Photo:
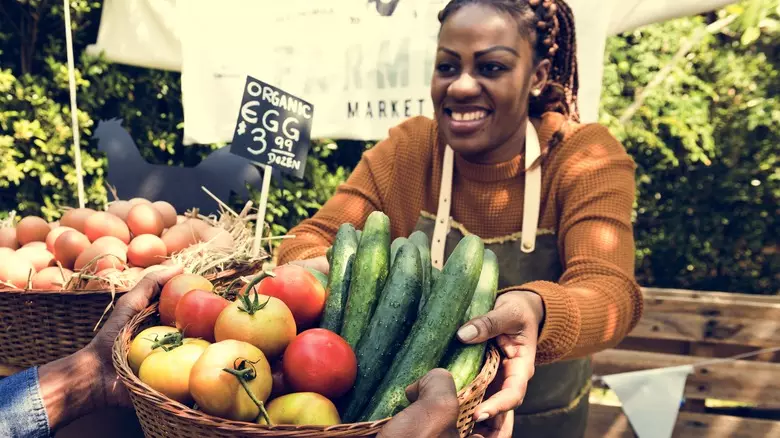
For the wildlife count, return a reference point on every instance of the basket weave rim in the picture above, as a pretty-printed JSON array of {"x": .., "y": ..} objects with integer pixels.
[{"x": 140, "y": 389}]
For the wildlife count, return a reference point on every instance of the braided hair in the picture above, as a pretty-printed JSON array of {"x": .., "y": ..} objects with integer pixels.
[{"x": 549, "y": 26}]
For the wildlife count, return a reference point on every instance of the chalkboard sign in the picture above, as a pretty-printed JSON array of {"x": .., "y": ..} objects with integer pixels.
[{"x": 273, "y": 128}]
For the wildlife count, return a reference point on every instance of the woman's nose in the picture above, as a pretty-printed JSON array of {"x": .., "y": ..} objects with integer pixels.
[{"x": 463, "y": 87}]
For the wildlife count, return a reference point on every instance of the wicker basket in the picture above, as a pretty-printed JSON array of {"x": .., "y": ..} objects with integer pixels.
[
  {"x": 38, "y": 326},
  {"x": 162, "y": 417}
]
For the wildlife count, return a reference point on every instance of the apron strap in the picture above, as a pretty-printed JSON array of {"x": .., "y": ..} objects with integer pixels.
[
  {"x": 531, "y": 199},
  {"x": 533, "y": 190},
  {"x": 442, "y": 226}
]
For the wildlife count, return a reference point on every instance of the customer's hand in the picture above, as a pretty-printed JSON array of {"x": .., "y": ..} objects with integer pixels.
[
  {"x": 433, "y": 413},
  {"x": 86, "y": 380}
]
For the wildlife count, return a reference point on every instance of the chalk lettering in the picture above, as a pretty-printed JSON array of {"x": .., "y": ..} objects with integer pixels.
[
  {"x": 247, "y": 113},
  {"x": 254, "y": 89},
  {"x": 273, "y": 126},
  {"x": 258, "y": 139},
  {"x": 291, "y": 133},
  {"x": 283, "y": 161}
]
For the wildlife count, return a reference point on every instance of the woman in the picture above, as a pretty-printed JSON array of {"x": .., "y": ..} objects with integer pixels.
[{"x": 507, "y": 160}]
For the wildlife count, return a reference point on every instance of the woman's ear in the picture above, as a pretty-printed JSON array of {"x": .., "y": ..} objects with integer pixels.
[{"x": 540, "y": 76}]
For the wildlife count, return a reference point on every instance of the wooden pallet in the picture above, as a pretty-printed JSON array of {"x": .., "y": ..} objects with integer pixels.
[{"x": 683, "y": 327}]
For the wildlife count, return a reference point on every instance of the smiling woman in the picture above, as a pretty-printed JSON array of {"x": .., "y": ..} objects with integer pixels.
[{"x": 506, "y": 158}]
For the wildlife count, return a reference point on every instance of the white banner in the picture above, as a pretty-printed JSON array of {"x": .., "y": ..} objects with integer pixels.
[
  {"x": 365, "y": 64},
  {"x": 651, "y": 398}
]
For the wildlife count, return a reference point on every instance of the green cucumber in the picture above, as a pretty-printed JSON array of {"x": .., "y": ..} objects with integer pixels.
[
  {"x": 435, "y": 274},
  {"x": 433, "y": 330},
  {"x": 329, "y": 255},
  {"x": 359, "y": 234},
  {"x": 395, "y": 313},
  {"x": 421, "y": 240},
  {"x": 345, "y": 246},
  {"x": 464, "y": 361},
  {"x": 322, "y": 278},
  {"x": 369, "y": 273},
  {"x": 395, "y": 246}
]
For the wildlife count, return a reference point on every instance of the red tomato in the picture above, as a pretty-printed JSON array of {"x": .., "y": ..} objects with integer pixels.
[
  {"x": 299, "y": 289},
  {"x": 320, "y": 361},
  {"x": 174, "y": 289},
  {"x": 197, "y": 312}
]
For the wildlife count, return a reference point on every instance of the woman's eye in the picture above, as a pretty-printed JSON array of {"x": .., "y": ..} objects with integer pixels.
[
  {"x": 445, "y": 68},
  {"x": 491, "y": 69}
]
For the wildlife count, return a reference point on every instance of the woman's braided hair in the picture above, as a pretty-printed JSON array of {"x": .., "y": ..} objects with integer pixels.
[{"x": 549, "y": 25}]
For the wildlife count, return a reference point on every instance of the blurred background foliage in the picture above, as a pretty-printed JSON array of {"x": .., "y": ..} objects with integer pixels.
[{"x": 704, "y": 139}]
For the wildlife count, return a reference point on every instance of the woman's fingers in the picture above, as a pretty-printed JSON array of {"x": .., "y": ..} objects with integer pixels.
[
  {"x": 505, "y": 318},
  {"x": 500, "y": 426},
  {"x": 517, "y": 370}
]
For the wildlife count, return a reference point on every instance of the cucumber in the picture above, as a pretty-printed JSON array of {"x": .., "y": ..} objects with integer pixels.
[
  {"x": 369, "y": 273},
  {"x": 421, "y": 240},
  {"x": 395, "y": 246},
  {"x": 464, "y": 361},
  {"x": 435, "y": 274},
  {"x": 329, "y": 255},
  {"x": 322, "y": 278},
  {"x": 345, "y": 246},
  {"x": 395, "y": 313},
  {"x": 433, "y": 330},
  {"x": 359, "y": 234}
]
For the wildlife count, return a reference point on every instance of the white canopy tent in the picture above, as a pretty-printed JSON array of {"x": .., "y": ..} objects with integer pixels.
[{"x": 363, "y": 72}]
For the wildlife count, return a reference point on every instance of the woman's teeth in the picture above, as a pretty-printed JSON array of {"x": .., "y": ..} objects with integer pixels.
[{"x": 473, "y": 115}]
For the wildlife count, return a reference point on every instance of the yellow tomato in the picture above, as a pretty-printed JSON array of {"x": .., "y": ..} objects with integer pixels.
[
  {"x": 168, "y": 372},
  {"x": 303, "y": 408},
  {"x": 142, "y": 344},
  {"x": 219, "y": 392}
]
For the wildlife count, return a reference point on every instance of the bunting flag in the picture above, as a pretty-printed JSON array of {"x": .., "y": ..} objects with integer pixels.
[{"x": 651, "y": 398}]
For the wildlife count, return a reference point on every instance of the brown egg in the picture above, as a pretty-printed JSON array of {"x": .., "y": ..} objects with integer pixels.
[
  {"x": 39, "y": 257},
  {"x": 146, "y": 250},
  {"x": 110, "y": 242},
  {"x": 16, "y": 271},
  {"x": 106, "y": 224},
  {"x": 32, "y": 229},
  {"x": 145, "y": 219},
  {"x": 8, "y": 238},
  {"x": 76, "y": 218},
  {"x": 120, "y": 209},
  {"x": 136, "y": 201},
  {"x": 101, "y": 283},
  {"x": 52, "y": 278},
  {"x": 218, "y": 238},
  {"x": 36, "y": 244},
  {"x": 167, "y": 211},
  {"x": 99, "y": 257},
  {"x": 179, "y": 237},
  {"x": 69, "y": 246},
  {"x": 53, "y": 235},
  {"x": 198, "y": 224}
]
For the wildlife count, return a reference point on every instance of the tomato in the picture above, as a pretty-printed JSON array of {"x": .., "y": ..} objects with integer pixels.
[
  {"x": 218, "y": 392},
  {"x": 299, "y": 289},
  {"x": 262, "y": 321},
  {"x": 168, "y": 372},
  {"x": 303, "y": 408},
  {"x": 143, "y": 342},
  {"x": 197, "y": 313},
  {"x": 320, "y": 361},
  {"x": 174, "y": 289}
]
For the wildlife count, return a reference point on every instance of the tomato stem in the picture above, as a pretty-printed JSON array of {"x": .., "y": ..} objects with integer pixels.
[
  {"x": 257, "y": 279},
  {"x": 249, "y": 306},
  {"x": 244, "y": 375},
  {"x": 168, "y": 342}
]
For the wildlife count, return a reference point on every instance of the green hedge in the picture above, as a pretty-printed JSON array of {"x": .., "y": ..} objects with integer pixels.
[{"x": 704, "y": 141}]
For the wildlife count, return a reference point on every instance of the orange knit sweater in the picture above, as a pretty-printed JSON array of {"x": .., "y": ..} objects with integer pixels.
[{"x": 587, "y": 197}]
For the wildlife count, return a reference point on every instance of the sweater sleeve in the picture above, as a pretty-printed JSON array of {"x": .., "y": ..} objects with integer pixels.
[
  {"x": 597, "y": 301},
  {"x": 362, "y": 193}
]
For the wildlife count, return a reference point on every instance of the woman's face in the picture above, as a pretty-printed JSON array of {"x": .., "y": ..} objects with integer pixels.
[{"x": 483, "y": 76}]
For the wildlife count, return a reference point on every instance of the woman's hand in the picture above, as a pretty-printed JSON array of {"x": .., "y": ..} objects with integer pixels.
[
  {"x": 514, "y": 322},
  {"x": 318, "y": 263}
]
